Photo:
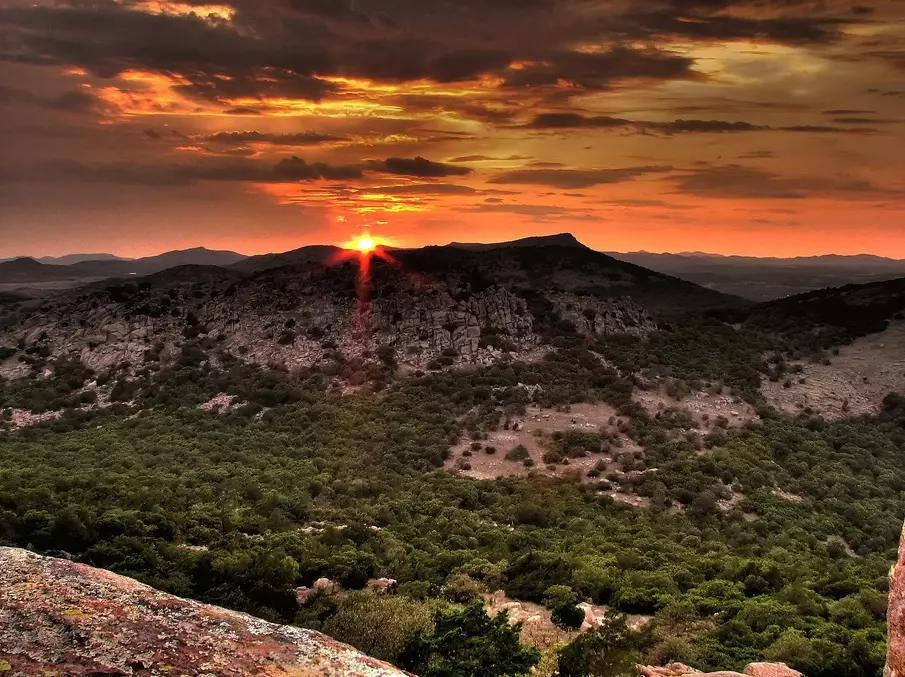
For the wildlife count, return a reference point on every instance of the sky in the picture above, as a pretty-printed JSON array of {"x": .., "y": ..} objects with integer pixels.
[{"x": 765, "y": 128}]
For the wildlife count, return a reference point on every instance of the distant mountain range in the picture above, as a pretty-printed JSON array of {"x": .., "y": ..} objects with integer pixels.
[
  {"x": 77, "y": 267},
  {"x": 765, "y": 279},
  {"x": 753, "y": 278}
]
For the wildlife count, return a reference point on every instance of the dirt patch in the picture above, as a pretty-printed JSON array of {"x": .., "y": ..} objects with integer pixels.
[
  {"x": 20, "y": 418},
  {"x": 533, "y": 432},
  {"x": 538, "y": 630},
  {"x": 221, "y": 404},
  {"x": 853, "y": 384},
  {"x": 705, "y": 409},
  {"x": 787, "y": 496},
  {"x": 632, "y": 500}
]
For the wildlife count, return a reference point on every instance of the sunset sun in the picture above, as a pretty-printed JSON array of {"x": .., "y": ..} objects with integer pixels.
[{"x": 365, "y": 244}]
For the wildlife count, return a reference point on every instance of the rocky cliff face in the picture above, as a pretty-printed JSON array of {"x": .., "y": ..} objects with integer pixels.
[
  {"x": 895, "y": 618},
  {"x": 61, "y": 618},
  {"x": 297, "y": 316}
]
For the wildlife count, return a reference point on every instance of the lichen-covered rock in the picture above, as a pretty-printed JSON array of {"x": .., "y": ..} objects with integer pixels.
[
  {"x": 895, "y": 618},
  {"x": 62, "y": 618}
]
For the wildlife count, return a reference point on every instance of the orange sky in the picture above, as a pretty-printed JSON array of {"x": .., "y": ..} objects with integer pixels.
[{"x": 137, "y": 126}]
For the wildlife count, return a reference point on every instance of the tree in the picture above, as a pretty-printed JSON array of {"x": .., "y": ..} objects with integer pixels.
[
  {"x": 468, "y": 643},
  {"x": 561, "y": 600},
  {"x": 607, "y": 651}
]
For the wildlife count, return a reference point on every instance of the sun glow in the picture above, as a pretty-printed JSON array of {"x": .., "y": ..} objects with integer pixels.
[{"x": 365, "y": 244}]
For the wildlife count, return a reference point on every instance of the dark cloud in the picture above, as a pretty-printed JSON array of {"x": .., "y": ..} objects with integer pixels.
[
  {"x": 417, "y": 166},
  {"x": 739, "y": 182},
  {"x": 296, "y": 169},
  {"x": 575, "y": 178},
  {"x": 578, "y": 121},
  {"x": 284, "y": 49},
  {"x": 757, "y": 155},
  {"x": 706, "y": 20},
  {"x": 826, "y": 129},
  {"x": 863, "y": 121},
  {"x": 79, "y": 101},
  {"x": 151, "y": 134},
  {"x": 424, "y": 189},
  {"x": 847, "y": 111},
  {"x": 242, "y": 138},
  {"x": 599, "y": 70},
  {"x": 490, "y": 158},
  {"x": 211, "y": 169}
]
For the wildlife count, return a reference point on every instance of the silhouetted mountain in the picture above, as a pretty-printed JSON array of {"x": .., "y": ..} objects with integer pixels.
[
  {"x": 70, "y": 259},
  {"x": 310, "y": 254},
  {"x": 764, "y": 279},
  {"x": 28, "y": 271},
  {"x": 560, "y": 240}
]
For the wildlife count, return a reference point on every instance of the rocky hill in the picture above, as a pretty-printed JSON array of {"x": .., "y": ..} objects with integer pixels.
[
  {"x": 829, "y": 317},
  {"x": 61, "y": 618},
  {"x": 424, "y": 306}
]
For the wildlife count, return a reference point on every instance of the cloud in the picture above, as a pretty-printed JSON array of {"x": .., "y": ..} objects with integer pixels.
[
  {"x": 78, "y": 101},
  {"x": 575, "y": 178},
  {"x": 599, "y": 70},
  {"x": 424, "y": 189},
  {"x": 680, "y": 126},
  {"x": 863, "y": 121},
  {"x": 739, "y": 182},
  {"x": 287, "y": 170},
  {"x": 757, "y": 155},
  {"x": 245, "y": 137},
  {"x": 491, "y": 158},
  {"x": 417, "y": 166},
  {"x": 521, "y": 209},
  {"x": 847, "y": 111}
]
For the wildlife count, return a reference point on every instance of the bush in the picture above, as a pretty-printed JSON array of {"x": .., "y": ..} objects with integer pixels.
[
  {"x": 608, "y": 651},
  {"x": 468, "y": 643},
  {"x": 518, "y": 453}
]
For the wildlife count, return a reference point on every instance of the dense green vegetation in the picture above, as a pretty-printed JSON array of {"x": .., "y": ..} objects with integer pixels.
[{"x": 771, "y": 541}]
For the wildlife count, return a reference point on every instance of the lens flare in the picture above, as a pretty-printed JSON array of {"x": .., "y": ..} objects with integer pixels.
[{"x": 365, "y": 244}]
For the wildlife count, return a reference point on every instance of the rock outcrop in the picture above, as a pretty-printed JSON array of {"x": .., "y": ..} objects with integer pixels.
[
  {"x": 62, "y": 618},
  {"x": 895, "y": 617},
  {"x": 753, "y": 670}
]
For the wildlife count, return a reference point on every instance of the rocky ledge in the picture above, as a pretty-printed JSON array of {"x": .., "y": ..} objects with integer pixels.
[
  {"x": 62, "y": 618},
  {"x": 895, "y": 617}
]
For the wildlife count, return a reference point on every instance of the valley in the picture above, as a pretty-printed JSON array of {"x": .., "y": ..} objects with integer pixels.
[{"x": 534, "y": 426}]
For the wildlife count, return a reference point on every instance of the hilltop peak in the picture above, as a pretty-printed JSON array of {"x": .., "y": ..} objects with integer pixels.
[{"x": 557, "y": 240}]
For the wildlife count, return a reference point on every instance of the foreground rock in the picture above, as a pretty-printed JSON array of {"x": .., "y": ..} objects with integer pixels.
[
  {"x": 62, "y": 618},
  {"x": 895, "y": 661}
]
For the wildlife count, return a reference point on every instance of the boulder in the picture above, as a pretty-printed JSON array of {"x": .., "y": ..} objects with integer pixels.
[
  {"x": 753, "y": 670},
  {"x": 62, "y": 618}
]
